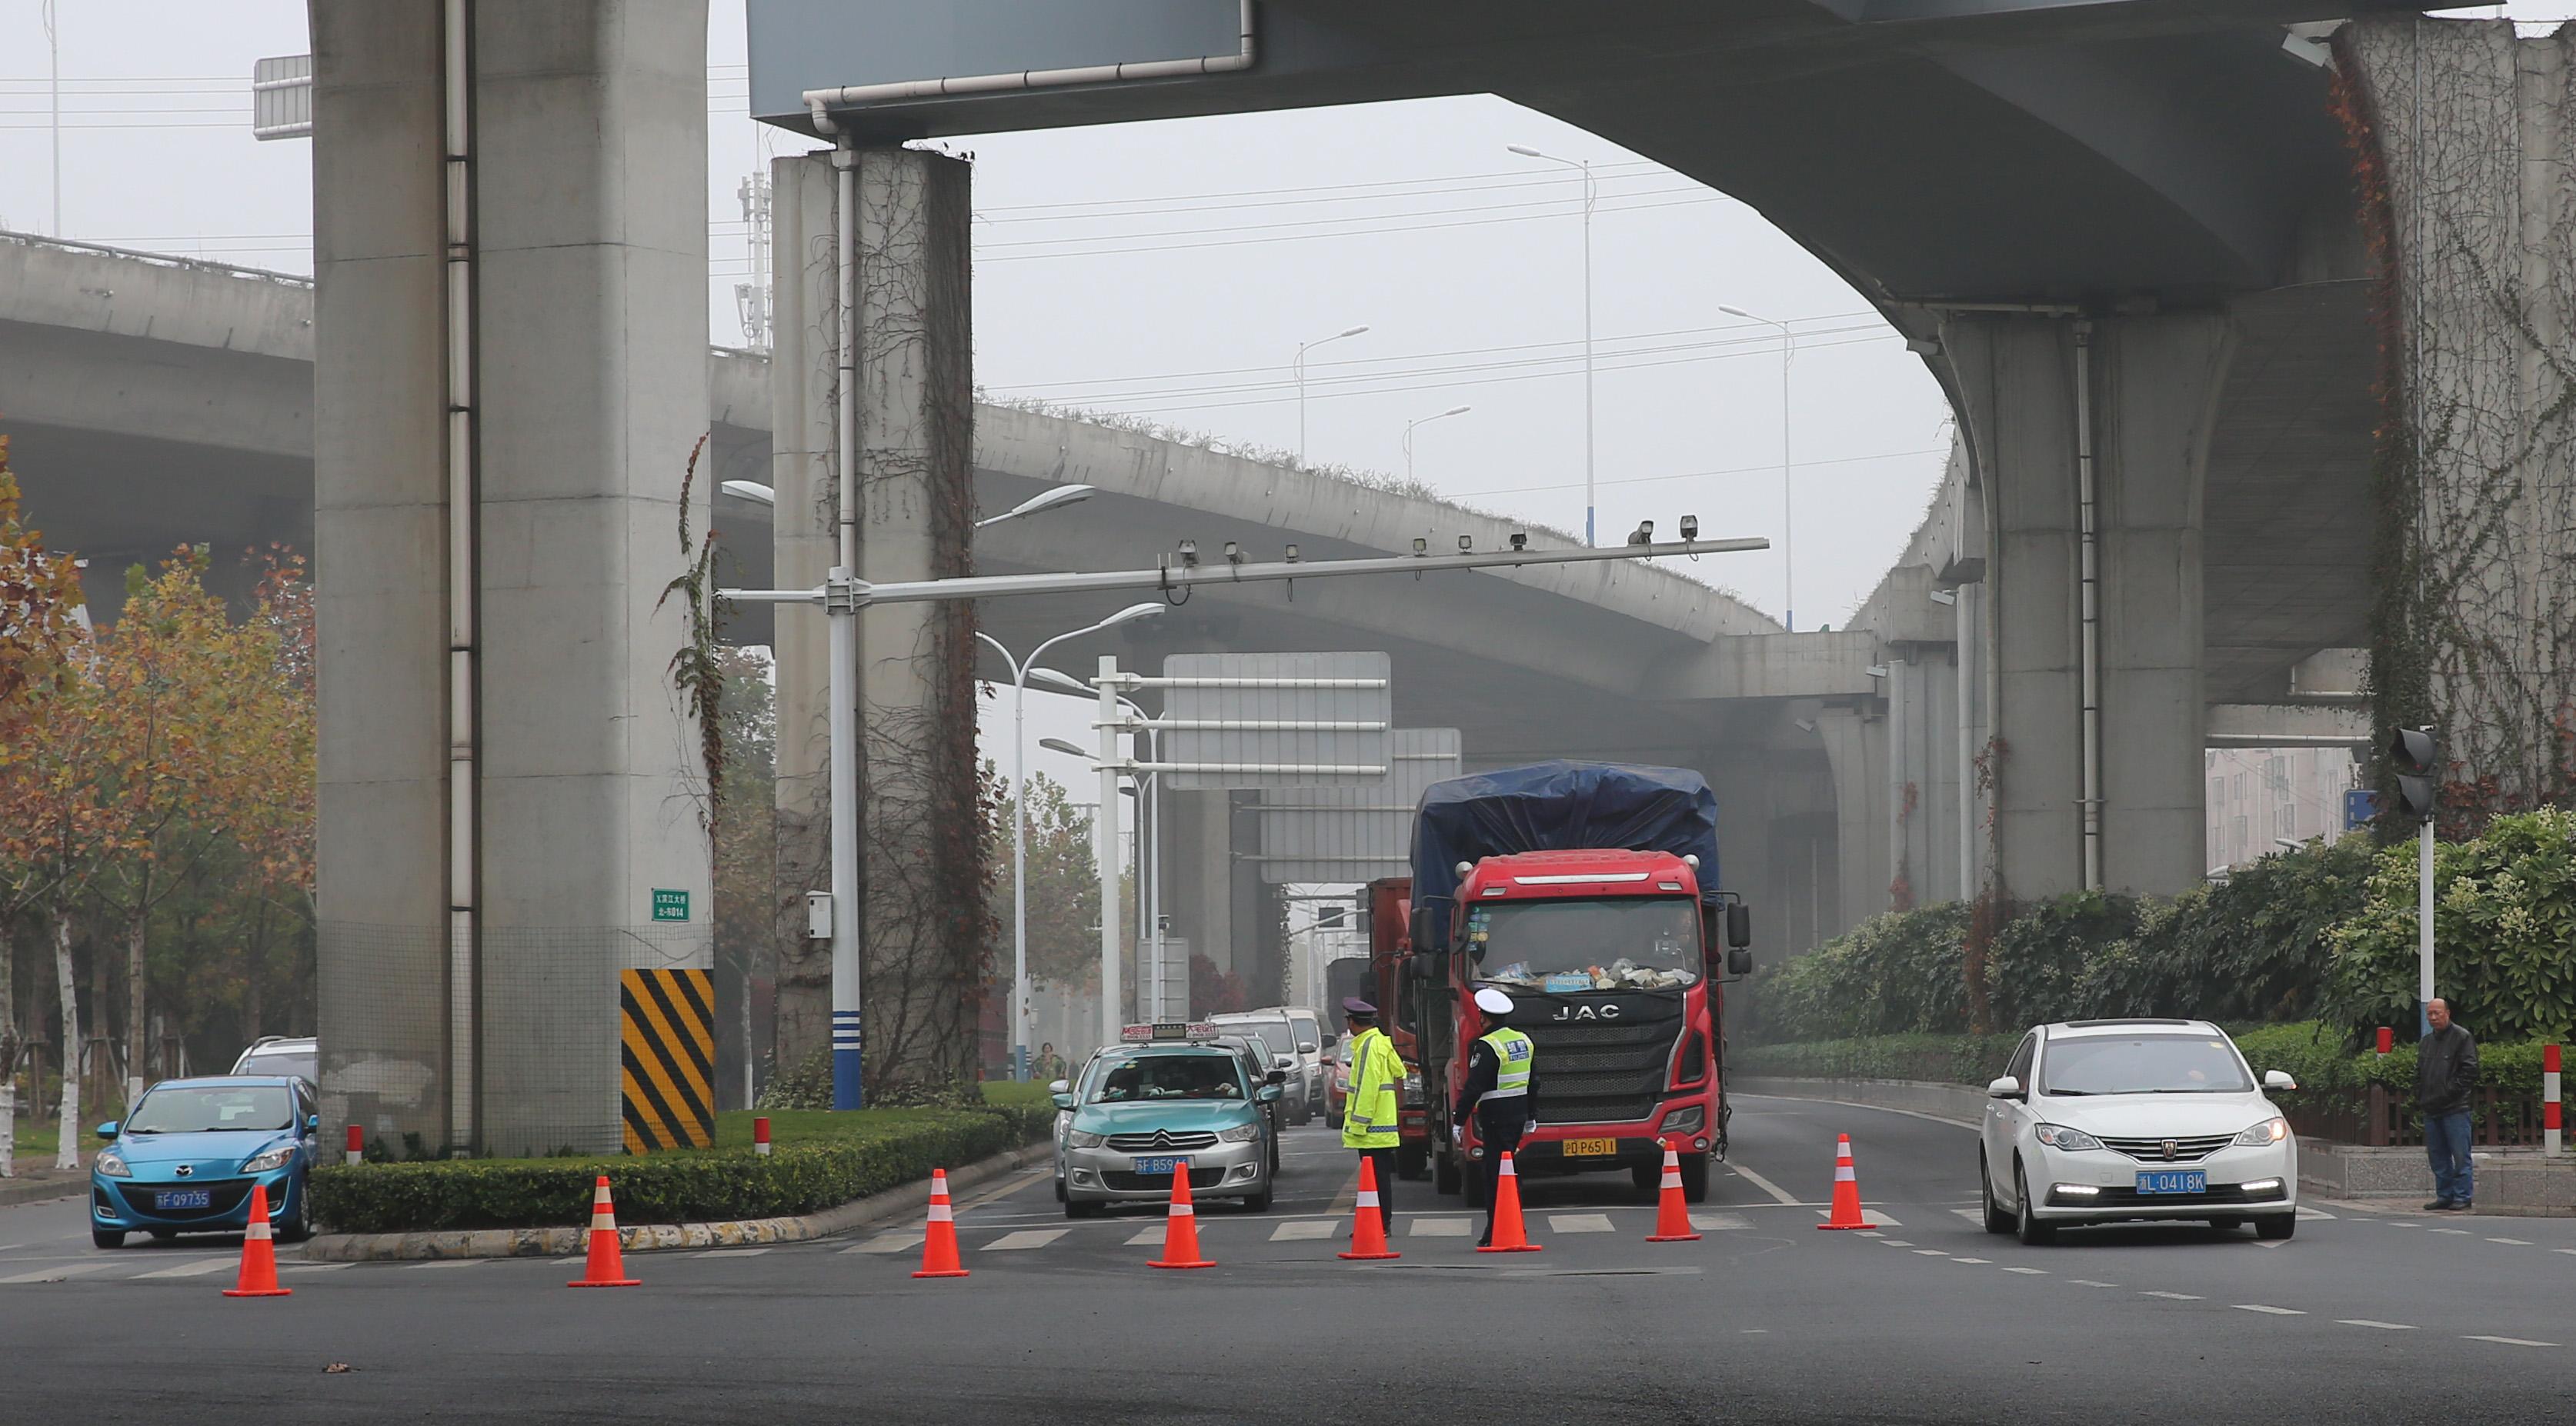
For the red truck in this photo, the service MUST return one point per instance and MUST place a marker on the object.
(1588, 893)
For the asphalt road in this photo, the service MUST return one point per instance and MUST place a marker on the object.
(2361, 1318)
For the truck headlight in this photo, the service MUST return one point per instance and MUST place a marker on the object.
(276, 1158)
(2057, 1136)
(1084, 1139)
(2264, 1135)
(1685, 1121)
(112, 1164)
(1240, 1134)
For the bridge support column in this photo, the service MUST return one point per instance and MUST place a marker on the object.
(1923, 770)
(2153, 383)
(509, 375)
(919, 850)
(1856, 748)
(1199, 883)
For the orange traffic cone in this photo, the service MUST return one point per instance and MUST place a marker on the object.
(1509, 1235)
(259, 1254)
(607, 1264)
(1846, 1189)
(1672, 1215)
(1368, 1221)
(939, 1241)
(1181, 1229)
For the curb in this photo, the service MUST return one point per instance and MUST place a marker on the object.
(649, 1237)
(15, 1191)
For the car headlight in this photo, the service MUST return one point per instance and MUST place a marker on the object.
(276, 1158)
(2264, 1135)
(2058, 1136)
(112, 1164)
(1240, 1134)
(1085, 1139)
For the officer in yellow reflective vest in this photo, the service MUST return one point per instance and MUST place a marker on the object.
(1369, 1113)
(1501, 1088)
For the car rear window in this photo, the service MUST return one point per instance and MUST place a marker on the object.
(198, 1110)
(301, 1066)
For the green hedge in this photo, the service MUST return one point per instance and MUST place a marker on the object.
(881, 1150)
(1949, 1059)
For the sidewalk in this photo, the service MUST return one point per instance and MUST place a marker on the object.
(37, 1180)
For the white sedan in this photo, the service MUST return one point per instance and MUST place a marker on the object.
(2098, 1121)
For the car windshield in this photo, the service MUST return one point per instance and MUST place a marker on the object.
(2143, 1064)
(303, 1067)
(1151, 1077)
(198, 1110)
(1609, 944)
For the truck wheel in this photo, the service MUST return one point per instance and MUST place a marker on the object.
(1412, 1161)
(1444, 1171)
(1694, 1179)
(1332, 1119)
(1649, 1180)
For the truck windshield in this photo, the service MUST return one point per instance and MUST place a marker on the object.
(1608, 944)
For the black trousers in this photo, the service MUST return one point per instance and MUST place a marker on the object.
(1500, 1133)
(1385, 1161)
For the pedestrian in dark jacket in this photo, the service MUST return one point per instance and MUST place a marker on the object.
(2446, 1073)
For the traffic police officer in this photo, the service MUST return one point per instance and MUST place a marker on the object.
(1369, 1113)
(1501, 1081)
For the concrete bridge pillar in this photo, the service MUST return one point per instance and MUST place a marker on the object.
(1199, 876)
(1856, 747)
(2153, 384)
(510, 337)
(1923, 769)
(920, 933)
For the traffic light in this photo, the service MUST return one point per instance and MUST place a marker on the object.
(2415, 755)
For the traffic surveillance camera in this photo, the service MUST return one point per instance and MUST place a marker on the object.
(1690, 527)
(1644, 534)
(1190, 553)
(1519, 541)
(1421, 545)
(1466, 544)
(1292, 554)
(1233, 553)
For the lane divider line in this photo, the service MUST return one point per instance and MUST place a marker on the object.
(2366, 1322)
(2507, 1341)
(2175, 1296)
(2029, 1272)
(1764, 1184)
(1030, 1238)
(1579, 1223)
(2512, 1242)
(2270, 1311)
(2088, 1282)
(451, 1262)
(1302, 1230)
(57, 1272)
(730, 1253)
(1972, 1260)
(1147, 1237)
(211, 1265)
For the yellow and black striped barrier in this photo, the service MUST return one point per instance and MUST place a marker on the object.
(667, 1048)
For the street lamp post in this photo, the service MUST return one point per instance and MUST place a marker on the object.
(1149, 861)
(1585, 169)
(1788, 545)
(1300, 366)
(1020, 819)
(1425, 420)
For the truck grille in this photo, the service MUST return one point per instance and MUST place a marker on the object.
(1162, 1140)
(1604, 1071)
(2186, 1151)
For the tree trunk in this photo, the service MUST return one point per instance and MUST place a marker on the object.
(100, 1071)
(252, 955)
(9, 1039)
(136, 1027)
(67, 1152)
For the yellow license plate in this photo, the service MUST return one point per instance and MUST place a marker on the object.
(1590, 1146)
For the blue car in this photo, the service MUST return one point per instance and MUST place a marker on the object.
(184, 1160)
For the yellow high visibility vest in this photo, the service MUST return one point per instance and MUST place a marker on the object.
(1368, 1118)
(1513, 1055)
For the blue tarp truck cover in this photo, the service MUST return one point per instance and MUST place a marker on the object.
(1558, 806)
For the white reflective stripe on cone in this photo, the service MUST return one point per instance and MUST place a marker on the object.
(603, 1222)
(1843, 1173)
(1183, 1210)
(1672, 1178)
(258, 1232)
(940, 1213)
(1368, 1198)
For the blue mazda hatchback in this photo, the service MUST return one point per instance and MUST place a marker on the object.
(184, 1160)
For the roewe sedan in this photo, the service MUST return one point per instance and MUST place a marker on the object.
(2098, 1121)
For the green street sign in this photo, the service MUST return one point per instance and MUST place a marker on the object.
(669, 905)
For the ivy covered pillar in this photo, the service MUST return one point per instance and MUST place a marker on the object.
(2152, 383)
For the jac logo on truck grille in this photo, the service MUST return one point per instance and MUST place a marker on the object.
(1587, 1012)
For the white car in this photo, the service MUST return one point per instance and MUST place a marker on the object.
(2098, 1121)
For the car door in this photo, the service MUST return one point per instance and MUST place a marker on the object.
(2005, 1117)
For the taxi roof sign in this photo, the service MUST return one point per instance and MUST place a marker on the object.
(1168, 1032)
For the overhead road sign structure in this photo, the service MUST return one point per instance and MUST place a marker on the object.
(1238, 721)
(1356, 833)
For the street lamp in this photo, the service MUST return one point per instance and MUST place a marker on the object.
(1149, 860)
(1047, 499)
(1020, 819)
(751, 490)
(1584, 168)
(1300, 367)
(1422, 420)
(1788, 545)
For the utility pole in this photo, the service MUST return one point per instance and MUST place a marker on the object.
(2416, 754)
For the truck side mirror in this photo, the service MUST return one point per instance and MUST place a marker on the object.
(1421, 926)
(1739, 960)
(1739, 928)
(1424, 966)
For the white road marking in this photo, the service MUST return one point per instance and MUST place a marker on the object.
(1148, 1237)
(2272, 1311)
(1764, 1184)
(2512, 1242)
(2088, 1282)
(887, 1243)
(1870, 1216)
(2313, 1215)
(6, 1247)
(1972, 1260)
(1305, 1230)
(2029, 1272)
(1027, 1238)
(61, 1270)
(1896, 1242)
(1930, 1253)
(2571, 1252)
(730, 1253)
(1973, 1215)
(2454, 1232)
(313, 1267)
(210, 1265)
(2508, 1341)
(2175, 1296)
(446, 1263)
(2366, 1322)
(1579, 1223)
(1441, 1227)
(1721, 1222)
(2395, 1224)
(1871, 1233)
